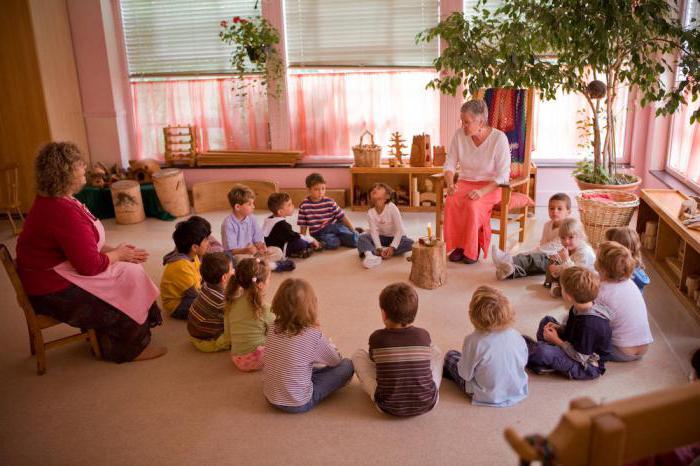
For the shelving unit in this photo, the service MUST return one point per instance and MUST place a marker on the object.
(676, 254)
(364, 177)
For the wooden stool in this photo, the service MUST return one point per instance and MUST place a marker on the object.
(429, 265)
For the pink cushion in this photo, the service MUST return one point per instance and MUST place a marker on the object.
(518, 201)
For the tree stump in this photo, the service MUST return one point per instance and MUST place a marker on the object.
(429, 265)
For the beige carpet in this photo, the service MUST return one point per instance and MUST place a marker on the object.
(193, 408)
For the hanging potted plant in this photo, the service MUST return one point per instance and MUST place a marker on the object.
(589, 47)
(254, 40)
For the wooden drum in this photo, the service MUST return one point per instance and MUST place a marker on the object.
(128, 204)
(172, 191)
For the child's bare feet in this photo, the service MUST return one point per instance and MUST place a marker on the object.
(151, 352)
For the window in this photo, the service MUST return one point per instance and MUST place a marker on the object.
(683, 159)
(171, 45)
(359, 33)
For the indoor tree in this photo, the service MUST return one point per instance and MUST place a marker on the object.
(592, 47)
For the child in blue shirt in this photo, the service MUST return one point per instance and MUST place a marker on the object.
(580, 348)
(629, 238)
(491, 367)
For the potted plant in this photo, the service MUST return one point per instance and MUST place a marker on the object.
(254, 51)
(584, 46)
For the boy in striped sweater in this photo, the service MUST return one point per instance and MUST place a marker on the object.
(322, 217)
(403, 370)
(205, 320)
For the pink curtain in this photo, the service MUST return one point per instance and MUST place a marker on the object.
(684, 155)
(223, 119)
(328, 111)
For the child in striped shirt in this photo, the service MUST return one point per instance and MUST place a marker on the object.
(322, 217)
(292, 380)
(402, 370)
(205, 320)
(247, 316)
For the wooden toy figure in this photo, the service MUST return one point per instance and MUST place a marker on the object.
(397, 145)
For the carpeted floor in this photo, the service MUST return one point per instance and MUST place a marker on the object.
(194, 408)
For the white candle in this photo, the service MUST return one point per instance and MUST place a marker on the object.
(430, 230)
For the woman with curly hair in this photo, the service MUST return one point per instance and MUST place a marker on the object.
(69, 272)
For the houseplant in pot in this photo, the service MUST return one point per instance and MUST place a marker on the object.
(254, 40)
(591, 47)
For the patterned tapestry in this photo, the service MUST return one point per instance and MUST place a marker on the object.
(508, 113)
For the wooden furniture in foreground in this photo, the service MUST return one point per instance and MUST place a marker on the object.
(676, 254)
(509, 210)
(620, 432)
(180, 145)
(429, 265)
(37, 322)
(213, 195)
(249, 157)
(405, 177)
(9, 194)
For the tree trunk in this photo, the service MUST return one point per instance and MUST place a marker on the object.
(429, 265)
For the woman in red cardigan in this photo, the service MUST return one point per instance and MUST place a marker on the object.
(71, 275)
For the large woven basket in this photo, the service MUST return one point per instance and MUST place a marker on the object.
(598, 214)
(367, 155)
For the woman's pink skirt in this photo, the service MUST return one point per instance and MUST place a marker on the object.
(468, 222)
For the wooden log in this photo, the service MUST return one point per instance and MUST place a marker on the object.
(429, 265)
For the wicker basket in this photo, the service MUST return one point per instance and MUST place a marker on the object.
(597, 215)
(367, 155)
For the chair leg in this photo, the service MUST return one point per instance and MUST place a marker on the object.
(40, 354)
(12, 222)
(522, 222)
(94, 343)
(503, 234)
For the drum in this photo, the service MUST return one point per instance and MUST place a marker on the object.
(172, 191)
(128, 204)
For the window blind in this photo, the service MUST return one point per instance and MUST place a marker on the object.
(490, 5)
(178, 36)
(359, 32)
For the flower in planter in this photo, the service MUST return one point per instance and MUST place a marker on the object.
(253, 42)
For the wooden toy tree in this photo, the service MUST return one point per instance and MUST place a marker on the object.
(397, 145)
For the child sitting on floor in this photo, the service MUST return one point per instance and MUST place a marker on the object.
(631, 335)
(279, 233)
(491, 367)
(403, 370)
(535, 262)
(205, 321)
(629, 238)
(322, 217)
(386, 233)
(181, 277)
(243, 238)
(580, 348)
(292, 380)
(248, 317)
(575, 251)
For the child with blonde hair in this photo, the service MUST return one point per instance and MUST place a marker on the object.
(292, 382)
(629, 238)
(491, 367)
(248, 317)
(575, 251)
(386, 236)
(579, 348)
(631, 335)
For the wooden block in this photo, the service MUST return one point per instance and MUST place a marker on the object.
(429, 265)
(299, 194)
(651, 228)
(674, 263)
(213, 195)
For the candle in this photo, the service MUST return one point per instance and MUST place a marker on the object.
(430, 230)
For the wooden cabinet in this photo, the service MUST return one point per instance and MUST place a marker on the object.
(676, 251)
(402, 179)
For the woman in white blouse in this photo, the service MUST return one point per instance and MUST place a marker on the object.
(482, 155)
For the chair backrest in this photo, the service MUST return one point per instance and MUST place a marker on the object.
(11, 269)
(510, 110)
(9, 186)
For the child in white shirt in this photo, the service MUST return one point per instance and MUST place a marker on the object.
(631, 335)
(536, 261)
(575, 251)
(386, 234)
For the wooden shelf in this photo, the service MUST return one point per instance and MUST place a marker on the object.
(364, 177)
(676, 254)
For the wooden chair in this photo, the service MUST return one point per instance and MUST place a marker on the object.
(511, 112)
(38, 322)
(9, 194)
(619, 432)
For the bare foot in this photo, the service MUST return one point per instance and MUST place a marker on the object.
(151, 352)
